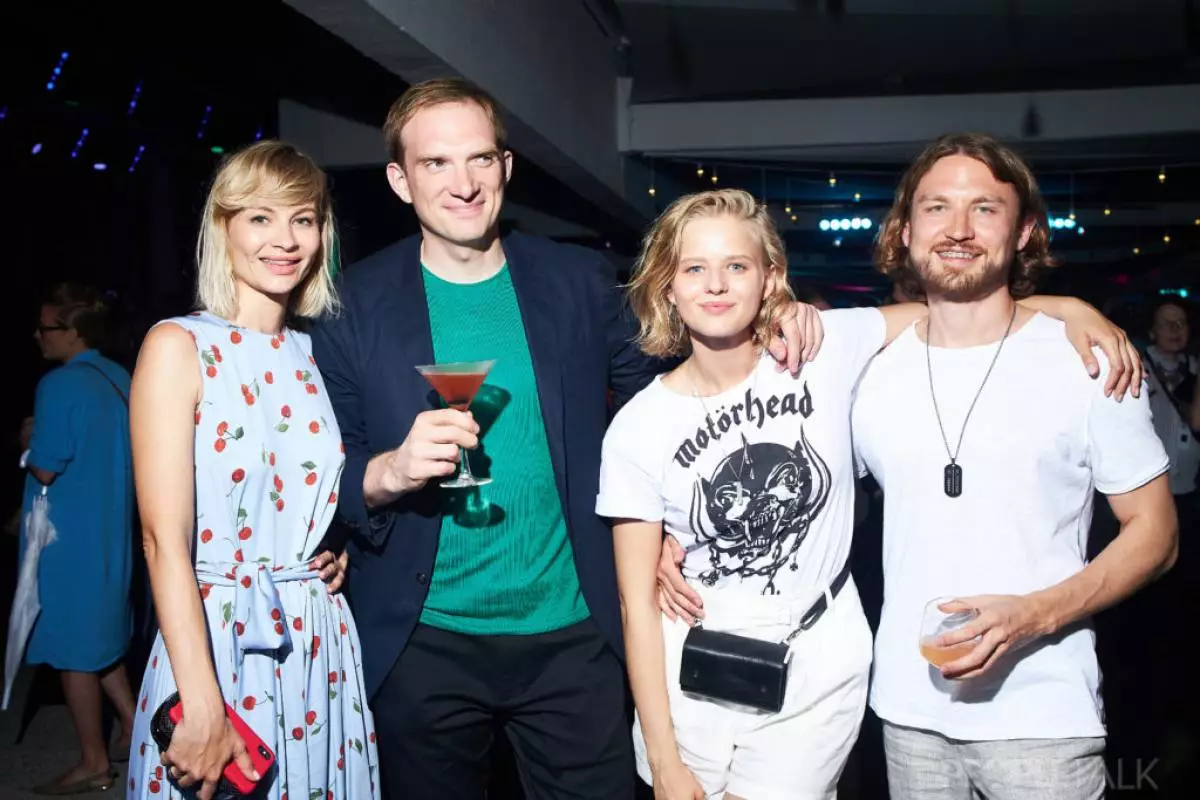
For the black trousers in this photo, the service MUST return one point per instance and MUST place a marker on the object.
(558, 697)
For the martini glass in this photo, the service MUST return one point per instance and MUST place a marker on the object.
(457, 384)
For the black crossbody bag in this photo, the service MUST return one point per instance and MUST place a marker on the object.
(741, 670)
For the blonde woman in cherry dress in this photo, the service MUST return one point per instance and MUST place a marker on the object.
(236, 460)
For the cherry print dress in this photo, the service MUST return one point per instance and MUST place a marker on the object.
(268, 459)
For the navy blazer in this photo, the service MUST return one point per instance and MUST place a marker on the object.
(580, 336)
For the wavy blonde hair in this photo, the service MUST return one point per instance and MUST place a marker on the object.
(264, 172)
(661, 330)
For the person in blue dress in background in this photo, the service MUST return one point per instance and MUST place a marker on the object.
(79, 455)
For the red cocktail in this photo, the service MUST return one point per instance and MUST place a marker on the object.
(457, 384)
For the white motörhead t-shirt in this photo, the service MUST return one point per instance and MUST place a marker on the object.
(756, 483)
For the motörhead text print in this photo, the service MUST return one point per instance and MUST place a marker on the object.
(755, 483)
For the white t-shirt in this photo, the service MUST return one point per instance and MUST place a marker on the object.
(1041, 438)
(756, 483)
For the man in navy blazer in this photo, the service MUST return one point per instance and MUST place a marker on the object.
(494, 605)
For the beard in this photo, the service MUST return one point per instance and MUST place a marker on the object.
(960, 286)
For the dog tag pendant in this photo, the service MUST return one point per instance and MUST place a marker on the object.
(952, 476)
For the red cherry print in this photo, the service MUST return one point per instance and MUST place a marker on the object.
(197, 417)
(206, 536)
(279, 629)
(297, 733)
(329, 795)
(316, 645)
(344, 629)
(204, 590)
(249, 399)
(271, 459)
(279, 504)
(310, 388)
(312, 361)
(285, 412)
(310, 717)
(276, 614)
(237, 554)
(144, 701)
(216, 353)
(211, 371)
(158, 772)
(333, 677)
(245, 533)
(246, 582)
(311, 478)
(248, 703)
(275, 342)
(235, 677)
(341, 764)
(299, 374)
(277, 673)
(239, 628)
(222, 427)
(312, 523)
(314, 426)
(298, 623)
(154, 663)
(154, 786)
(245, 389)
(269, 378)
(278, 484)
(220, 445)
(371, 737)
(238, 475)
(235, 337)
(332, 497)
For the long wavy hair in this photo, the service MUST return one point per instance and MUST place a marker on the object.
(892, 257)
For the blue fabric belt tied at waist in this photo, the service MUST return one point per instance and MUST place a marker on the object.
(256, 616)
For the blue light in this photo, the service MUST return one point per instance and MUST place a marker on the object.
(137, 157)
(57, 71)
(99, 167)
(204, 122)
(855, 224)
(137, 92)
(79, 144)
(258, 134)
(1068, 223)
(37, 148)
(3, 112)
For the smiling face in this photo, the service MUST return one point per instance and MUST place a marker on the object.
(965, 230)
(271, 247)
(720, 280)
(454, 172)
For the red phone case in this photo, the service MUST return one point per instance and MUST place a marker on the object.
(260, 755)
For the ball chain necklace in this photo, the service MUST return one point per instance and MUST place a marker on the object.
(952, 475)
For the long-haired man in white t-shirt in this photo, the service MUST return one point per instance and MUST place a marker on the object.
(988, 442)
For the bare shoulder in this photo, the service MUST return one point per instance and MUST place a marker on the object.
(168, 359)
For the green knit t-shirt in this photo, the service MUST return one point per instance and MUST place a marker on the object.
(504, 561)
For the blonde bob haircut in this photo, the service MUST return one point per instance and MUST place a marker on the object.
(265, 172)
(661, 330)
